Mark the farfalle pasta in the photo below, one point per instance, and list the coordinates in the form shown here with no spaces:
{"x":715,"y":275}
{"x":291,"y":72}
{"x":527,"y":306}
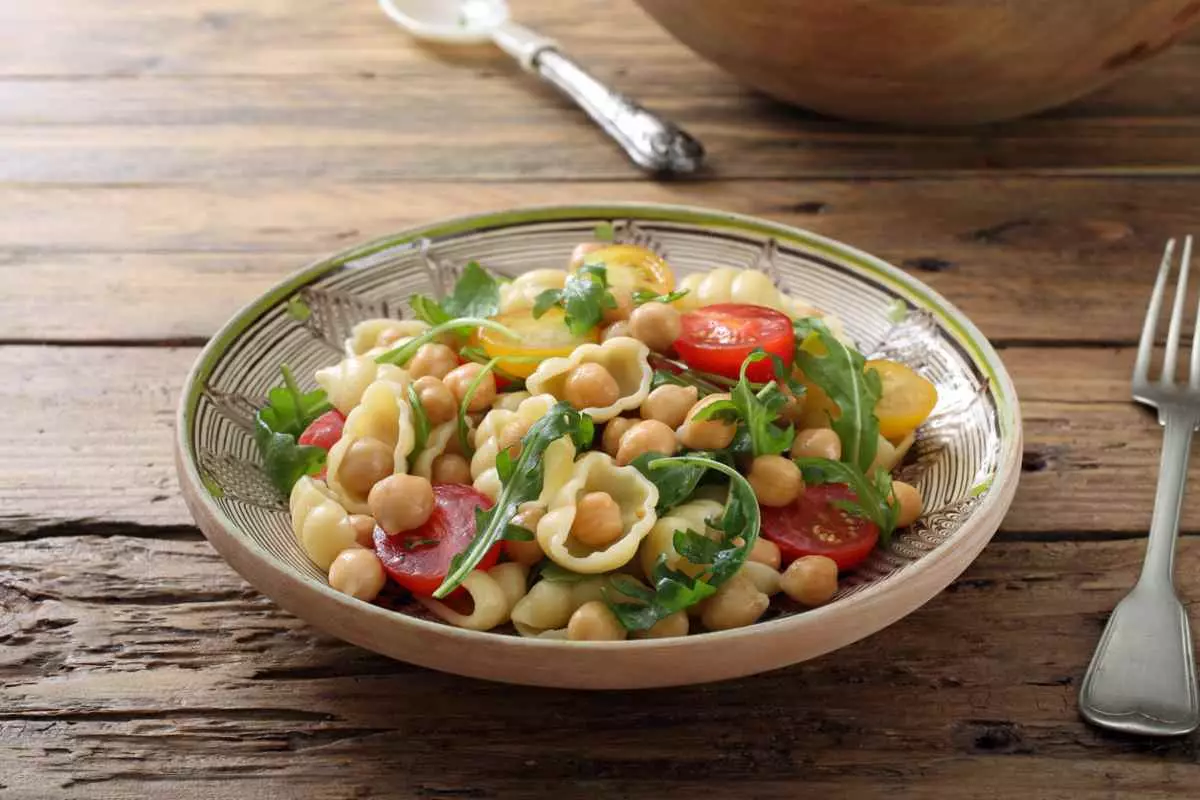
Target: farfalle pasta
{"x":635,"y":497}
{"x":624,"y":358}
{"x":661,"y":475}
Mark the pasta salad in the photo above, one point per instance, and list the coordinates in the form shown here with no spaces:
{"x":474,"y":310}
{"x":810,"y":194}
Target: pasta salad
{"x":598,"y":452}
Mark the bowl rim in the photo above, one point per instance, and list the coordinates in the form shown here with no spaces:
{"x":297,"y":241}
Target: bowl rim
{"x":990,"y":512}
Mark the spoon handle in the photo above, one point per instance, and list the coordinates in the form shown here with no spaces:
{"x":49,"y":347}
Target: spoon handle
{"x":653,"y":143}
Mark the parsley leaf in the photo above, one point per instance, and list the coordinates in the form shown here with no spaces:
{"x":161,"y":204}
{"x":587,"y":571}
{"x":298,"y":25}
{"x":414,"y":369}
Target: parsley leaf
{"x":872,"y":497}
{"x":841,"y":372}
{"x":674,"y":590}
{"x":643,"y":296}
{"x":757,"y":411}
{"x":475,"y":294}
{"x":584,"y":297}
{"x":279,"y":424}
{"x":524,"y":483}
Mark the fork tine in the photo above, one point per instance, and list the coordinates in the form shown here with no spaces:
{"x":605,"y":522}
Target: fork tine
{"x":1175,"y":330}
{"x":1141,"y":367}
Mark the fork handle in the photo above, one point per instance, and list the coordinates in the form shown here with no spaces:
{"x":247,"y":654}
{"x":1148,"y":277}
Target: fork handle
{"x":1178,"y":426}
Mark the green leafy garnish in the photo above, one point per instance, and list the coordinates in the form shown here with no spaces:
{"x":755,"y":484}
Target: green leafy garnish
{"x":297,"y":309}
{"x":756,"y":410}
{"x":549,"y":571}
{"x":675,"y":482}
{"x":643,"y":296}
{"x":279,"y":424}
{"x":416,"y":543}
{"x":584,"y":298}
{"x":872,"y":497}
{"x":421,"y":424}
{"x":674,"y":590}
{"x":403,"y":354}
{"x":475,"y":294}
{"x":604,"y":232}
{"x":841,"y":372}
{"x":524,"y":483}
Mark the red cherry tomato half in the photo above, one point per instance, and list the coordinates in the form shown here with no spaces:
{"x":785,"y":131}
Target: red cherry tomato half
{"x":324,"y":431}
{"x":718,"y":338}
{"x":814,"y":526}
{"x":419,"y":559}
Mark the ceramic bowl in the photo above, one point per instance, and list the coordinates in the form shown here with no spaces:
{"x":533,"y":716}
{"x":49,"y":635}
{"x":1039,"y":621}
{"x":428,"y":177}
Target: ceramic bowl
{"x":966,"y":460}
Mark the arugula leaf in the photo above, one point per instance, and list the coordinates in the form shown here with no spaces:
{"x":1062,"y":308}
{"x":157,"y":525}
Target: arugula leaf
{"x":841,"y":373}
{"x":674,"y":590}
{"x":516,"y":533}
{"x":872,"y":496}
{"x":643,"y":296}
{"x":421,"y":424}
{"x":584,"y":297}
{"x":757,"y":411}
{"x":475,"y":294}
{"x":524,"y":483}
{"x":403,"y":354}
{"x":675,"y":483}
{"x":279,"y":424}
{"x":549,"y":571}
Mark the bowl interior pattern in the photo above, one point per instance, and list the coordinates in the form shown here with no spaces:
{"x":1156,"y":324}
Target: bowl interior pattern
{"x":303,"y":322}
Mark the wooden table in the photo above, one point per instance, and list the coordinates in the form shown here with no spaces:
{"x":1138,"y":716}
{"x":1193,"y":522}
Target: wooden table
{"x":161,"y":163}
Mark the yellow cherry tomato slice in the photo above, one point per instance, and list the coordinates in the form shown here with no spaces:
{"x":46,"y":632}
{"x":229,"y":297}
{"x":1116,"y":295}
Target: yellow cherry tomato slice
{"x":906,"y":401}
{"x":538,"y":339}
{"x":631,"y":267}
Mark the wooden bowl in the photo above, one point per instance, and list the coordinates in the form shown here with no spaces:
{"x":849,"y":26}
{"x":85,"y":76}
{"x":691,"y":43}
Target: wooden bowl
{"x":917,"y":61}
{"x":967,"y":459}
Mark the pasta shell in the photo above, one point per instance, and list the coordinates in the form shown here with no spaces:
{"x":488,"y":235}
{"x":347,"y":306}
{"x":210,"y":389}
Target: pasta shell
{"x":383,"y":414}
{"x":626,"y":359}
{"x":365,"y":336}
{"x":321,"y":525}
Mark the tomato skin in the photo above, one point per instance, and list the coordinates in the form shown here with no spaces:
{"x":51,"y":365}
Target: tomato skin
{"x":324,"y":431}
{"x":907,"y":399}
{"x":718,"y":338}
{"x":847,"y":539}
{"x":628,"y":266}
{"x":421,"y":567}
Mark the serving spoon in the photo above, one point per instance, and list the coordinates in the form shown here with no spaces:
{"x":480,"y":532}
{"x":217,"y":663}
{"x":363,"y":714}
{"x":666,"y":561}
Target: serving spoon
{"x":653,"y":143}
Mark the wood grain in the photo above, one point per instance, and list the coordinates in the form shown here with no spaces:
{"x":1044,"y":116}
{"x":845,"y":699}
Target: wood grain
{"x":97,"y":459}
{"x":1070,"y":260}
{"x":135,"y":665}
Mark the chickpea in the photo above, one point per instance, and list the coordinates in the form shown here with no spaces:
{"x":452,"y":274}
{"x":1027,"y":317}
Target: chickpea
{"x":591,"y":386}
{"x":776,"y":481}
{"x":432,"y":360}
{"x":529,"y":553}
{"x":910,"y":501}
{"x":737,"y":603}
{"x":765,"y":552}
{"x":367,"y":461}
{"x":624,"y":308}
{"x":614,"y":429}
{"x":793,"y":407}
{"x":647,"y":436}
{"x":358,"y":573}
{"x":709,"y":434}
{"x":459,"y":379}
{"x":597,"y":520}
{"x":389,"y":337}
{"x":593,"y":622}
{"x":657,"y":325}
{"x":619,"y":328}
{"x":364,"y":530}
{"x":674,"y":625}
{"x":450,"y":468}
{"x":819,"y":409}
{"x":401,"y":502}
{"x":766,"y":579}
{"x":509,"y":437}
{"x":817,"y":443}
{"x":669,"y":404}
{"x":436,"y":399}
{"x":811,"y":580}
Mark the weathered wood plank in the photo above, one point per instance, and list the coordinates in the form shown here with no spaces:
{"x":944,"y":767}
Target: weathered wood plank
{"x":1027,"y":259}
{"x":153,"y":659}
{"x":93,"y":449}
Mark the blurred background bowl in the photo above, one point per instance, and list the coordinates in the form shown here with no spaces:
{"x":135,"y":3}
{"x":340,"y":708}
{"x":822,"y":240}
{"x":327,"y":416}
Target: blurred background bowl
{"x":926,"y":61}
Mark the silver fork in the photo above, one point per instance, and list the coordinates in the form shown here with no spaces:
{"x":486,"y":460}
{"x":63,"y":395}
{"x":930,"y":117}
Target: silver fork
{"x":1142,"y":678}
